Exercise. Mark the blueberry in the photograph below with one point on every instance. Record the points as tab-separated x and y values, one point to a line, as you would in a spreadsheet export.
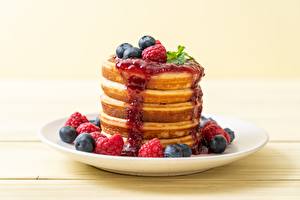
186	150
173	151
204	120
177	150
95	121
121	48
218	144
211	119
85	142
67	134
146	41
230	133
132	52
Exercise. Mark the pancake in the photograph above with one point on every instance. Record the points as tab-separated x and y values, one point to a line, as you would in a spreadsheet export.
175	112
143	100
119	91
162	81
113	125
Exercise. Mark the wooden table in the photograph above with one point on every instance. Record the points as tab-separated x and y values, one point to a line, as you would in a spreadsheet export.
31	170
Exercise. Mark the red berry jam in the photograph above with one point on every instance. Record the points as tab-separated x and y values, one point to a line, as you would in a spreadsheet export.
137	73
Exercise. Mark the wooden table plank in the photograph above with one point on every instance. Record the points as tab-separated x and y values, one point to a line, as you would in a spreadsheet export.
147	189
32	160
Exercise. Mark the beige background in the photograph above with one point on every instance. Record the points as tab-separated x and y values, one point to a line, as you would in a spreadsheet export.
64	39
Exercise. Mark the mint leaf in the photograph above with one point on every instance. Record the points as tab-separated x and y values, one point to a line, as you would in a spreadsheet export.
178	57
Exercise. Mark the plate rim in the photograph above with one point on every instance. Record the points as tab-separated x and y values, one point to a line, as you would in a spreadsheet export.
128	158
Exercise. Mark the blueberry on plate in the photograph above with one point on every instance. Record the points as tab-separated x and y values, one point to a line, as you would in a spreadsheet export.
177	150
146	41
230	133
132	52
204	120
203	117
211	119
121	48
173	151
95	121
67	134
186	150
218	144
85	142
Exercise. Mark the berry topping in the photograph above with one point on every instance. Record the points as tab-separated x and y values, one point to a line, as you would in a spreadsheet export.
218	144
95	135
85	142
121	48
156	53
87	127
212	129
152	148
230	133
76	119
178	150
146	41
67	134
132	52
110	146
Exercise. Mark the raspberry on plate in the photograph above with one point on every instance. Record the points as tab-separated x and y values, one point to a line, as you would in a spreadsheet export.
97	135
156	53
110	146
211	129
87	127
76	119
152	148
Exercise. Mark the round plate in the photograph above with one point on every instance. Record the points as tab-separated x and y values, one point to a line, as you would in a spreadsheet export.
249	139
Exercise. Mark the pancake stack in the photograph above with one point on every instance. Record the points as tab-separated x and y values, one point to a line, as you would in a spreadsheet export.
143	100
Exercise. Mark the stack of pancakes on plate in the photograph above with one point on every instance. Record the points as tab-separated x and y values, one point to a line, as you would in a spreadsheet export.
151	100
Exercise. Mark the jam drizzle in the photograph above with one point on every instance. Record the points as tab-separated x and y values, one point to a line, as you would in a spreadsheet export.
136	74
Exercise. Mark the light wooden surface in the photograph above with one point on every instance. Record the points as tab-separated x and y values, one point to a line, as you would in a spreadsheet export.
31	170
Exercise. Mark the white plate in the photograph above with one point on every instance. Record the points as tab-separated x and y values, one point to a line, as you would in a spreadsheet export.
249	139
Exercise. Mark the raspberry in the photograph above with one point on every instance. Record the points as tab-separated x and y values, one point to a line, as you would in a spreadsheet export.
156	53
212	129
152	148
76	119
110	146
87	127
97	135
